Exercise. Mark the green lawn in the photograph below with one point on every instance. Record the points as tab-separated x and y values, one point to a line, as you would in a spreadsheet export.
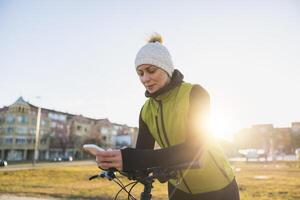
257	181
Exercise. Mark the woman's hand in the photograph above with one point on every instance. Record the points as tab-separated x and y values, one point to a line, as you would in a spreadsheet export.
109	159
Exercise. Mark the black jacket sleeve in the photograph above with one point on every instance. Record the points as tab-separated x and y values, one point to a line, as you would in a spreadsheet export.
144	156
145	139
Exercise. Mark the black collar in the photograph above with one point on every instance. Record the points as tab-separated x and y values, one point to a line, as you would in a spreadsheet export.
177	78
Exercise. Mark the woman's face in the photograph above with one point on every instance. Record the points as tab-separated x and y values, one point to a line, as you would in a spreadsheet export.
152	77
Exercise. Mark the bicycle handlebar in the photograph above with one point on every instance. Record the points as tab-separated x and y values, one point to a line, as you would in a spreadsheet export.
145	177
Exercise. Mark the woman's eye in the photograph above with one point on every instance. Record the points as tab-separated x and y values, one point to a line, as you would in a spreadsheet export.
151	71
140	73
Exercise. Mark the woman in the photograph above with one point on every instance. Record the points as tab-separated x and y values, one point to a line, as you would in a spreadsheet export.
174	116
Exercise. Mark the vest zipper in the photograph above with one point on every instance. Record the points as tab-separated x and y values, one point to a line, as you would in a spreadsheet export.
167	140
162	142
162	123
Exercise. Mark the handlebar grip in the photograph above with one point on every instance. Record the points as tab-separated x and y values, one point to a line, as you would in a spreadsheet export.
92	177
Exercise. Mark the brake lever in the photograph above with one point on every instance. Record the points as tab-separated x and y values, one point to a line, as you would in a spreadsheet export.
109	174
93	177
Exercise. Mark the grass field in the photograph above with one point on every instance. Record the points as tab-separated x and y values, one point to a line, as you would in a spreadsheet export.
257	181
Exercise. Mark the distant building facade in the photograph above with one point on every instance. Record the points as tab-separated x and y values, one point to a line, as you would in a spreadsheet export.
61	134
296	128
17	131
272	140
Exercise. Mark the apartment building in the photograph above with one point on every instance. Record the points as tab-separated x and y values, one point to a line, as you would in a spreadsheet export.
17	131
61	134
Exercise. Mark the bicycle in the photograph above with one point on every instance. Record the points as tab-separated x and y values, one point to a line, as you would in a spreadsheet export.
145	177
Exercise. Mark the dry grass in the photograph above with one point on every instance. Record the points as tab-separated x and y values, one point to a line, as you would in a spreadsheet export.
67	182
278	181
272	181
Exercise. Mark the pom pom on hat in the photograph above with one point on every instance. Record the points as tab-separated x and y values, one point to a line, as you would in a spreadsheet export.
155	53
155	38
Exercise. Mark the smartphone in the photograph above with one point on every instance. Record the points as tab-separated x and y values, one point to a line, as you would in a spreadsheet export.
92	148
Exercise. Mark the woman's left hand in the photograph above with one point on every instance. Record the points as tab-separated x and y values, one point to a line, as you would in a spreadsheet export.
110	159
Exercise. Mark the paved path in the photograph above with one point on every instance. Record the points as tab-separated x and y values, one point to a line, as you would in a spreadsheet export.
14	197
14	167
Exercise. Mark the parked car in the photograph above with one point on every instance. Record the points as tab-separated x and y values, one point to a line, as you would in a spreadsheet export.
253	153
3	163
62	158
57	159
67	158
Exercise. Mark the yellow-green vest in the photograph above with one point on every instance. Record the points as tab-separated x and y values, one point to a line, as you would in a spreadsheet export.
166	117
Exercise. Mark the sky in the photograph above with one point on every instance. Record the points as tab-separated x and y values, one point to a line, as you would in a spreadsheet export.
78	56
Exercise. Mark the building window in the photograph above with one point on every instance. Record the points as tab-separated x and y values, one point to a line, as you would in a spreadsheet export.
20	140
1	120
78	128
24	119
51	116
10	119
62	117
43	122
43	141
32	131
21	110
60	126
21	130
9	130
58	117
53	124
29	140
15	155
104	131
8	141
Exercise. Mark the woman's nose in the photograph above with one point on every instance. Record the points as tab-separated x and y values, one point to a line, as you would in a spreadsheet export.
145	78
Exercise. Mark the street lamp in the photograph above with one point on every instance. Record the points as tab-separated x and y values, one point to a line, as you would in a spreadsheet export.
37	133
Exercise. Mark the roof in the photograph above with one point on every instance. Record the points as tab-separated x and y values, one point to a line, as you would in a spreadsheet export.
20	101
55	111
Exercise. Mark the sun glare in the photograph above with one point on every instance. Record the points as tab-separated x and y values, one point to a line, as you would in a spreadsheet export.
222	125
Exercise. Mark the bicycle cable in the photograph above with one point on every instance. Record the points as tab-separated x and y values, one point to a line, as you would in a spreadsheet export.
136	182
125	189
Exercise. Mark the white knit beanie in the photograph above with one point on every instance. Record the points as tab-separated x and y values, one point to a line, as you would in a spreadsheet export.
154	53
